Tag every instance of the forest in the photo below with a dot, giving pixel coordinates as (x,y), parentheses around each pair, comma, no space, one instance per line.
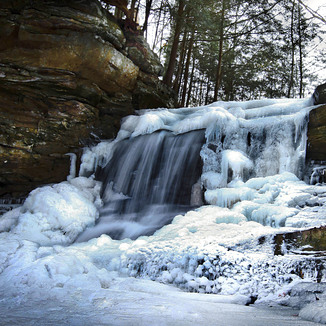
(231,49)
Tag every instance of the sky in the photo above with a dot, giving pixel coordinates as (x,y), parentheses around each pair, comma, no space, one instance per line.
(315,4)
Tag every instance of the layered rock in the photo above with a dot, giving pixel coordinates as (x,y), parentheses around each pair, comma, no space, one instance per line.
(316,147)
(67,74)
(310,240)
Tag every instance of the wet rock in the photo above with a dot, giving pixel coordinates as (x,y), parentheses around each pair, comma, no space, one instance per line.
(150,94)
(306,241)
(140,53)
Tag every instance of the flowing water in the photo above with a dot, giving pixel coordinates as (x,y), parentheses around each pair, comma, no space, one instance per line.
(148,181)
(165,162)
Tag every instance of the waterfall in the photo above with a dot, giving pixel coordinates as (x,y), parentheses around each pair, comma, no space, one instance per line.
(162,161)
(147,182)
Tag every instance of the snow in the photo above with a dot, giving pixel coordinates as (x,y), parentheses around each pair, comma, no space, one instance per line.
(194,270)
(55,214)
(139,302)
(9,219)
(236,161)
(208,250)
(315,312)
(186,119)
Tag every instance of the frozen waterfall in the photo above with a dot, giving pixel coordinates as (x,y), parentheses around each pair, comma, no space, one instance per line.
(163,161)
(199,198)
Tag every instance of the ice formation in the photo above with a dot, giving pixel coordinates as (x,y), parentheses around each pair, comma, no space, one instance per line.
(152,165)
(247,159)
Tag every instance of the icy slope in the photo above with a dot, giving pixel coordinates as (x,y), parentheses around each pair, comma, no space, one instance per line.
(252,160)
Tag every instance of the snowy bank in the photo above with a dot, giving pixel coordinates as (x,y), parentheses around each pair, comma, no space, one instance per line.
(252,164)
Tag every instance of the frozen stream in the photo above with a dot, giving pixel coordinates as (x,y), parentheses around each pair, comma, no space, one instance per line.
(139,302)
(105,248)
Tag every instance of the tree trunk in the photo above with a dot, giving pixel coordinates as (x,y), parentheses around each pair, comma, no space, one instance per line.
(220,53)
(191,82)
(300,53)
(184,92)
(158,24)
(162,36)
(200,99)
(178,76)
(133,13)
(208,89)
(291,82)
(147,13)
(174,50)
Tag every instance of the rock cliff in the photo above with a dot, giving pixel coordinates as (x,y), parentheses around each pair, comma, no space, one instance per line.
(316,147)
(68,72)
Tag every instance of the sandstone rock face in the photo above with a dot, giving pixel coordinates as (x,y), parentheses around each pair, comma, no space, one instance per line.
(67,72)
(316,147)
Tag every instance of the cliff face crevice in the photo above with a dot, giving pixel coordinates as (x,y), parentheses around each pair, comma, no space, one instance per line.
(68,72)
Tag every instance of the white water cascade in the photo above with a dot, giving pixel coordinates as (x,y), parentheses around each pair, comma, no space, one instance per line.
(147,182)
(150,172)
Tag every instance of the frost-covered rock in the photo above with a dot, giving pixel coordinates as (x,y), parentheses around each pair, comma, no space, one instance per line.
(58,214)
(315,312)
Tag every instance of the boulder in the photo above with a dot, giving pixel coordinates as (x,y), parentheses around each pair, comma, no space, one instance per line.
(67,77)
(310,240)
(319,95)
(141,54)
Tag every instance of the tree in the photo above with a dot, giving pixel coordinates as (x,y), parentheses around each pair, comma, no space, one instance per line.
(174,50)
(230,49)
(220,51)
(147,13)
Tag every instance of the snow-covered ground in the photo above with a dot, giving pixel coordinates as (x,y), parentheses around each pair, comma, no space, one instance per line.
(206,265)
(130,301)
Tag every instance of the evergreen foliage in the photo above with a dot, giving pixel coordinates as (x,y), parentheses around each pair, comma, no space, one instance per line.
(233,49)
